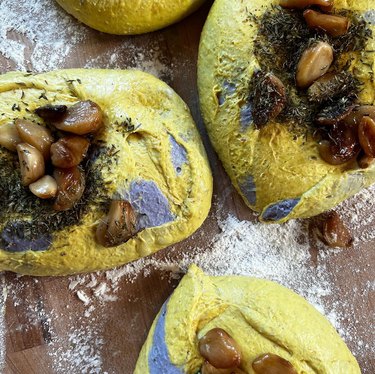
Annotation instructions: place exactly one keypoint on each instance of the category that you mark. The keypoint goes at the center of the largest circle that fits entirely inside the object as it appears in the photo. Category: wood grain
(42, 313)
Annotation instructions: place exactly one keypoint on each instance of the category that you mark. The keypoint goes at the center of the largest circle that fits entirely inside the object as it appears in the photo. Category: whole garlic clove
(69, 151)
(314, 63)
(71, 185)
(9, 137)
(220, 349)
(271, 363)
(366, 135)
(84, 117)
(119, 226)
(335, 233)
(44, 188)
(269, 97)
(301, 4)
(355, 117)
(331, 24)
(31, 163)
(35, 135)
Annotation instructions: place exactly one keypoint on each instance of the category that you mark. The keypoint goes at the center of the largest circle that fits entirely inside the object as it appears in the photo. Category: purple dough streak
(248, 189)
(158, 357)
(280, 210)
(178, 154)
(13, 240)
(150, 204)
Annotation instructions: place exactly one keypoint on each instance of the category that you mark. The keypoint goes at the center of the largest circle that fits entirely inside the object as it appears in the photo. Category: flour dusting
(38, 34)
(3, 296)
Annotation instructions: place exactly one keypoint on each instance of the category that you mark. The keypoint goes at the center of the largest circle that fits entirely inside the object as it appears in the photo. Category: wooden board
(45, 321)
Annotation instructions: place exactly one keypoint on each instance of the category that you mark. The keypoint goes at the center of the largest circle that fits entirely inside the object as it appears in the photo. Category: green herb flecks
(283, 36)
(38, 216)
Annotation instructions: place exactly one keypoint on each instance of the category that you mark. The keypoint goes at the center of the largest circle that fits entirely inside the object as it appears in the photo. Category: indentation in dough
(150, 204)
(178, 155)
(13, 239)
(228, 90)
(158, 357)
(279, 210)
(248, 189)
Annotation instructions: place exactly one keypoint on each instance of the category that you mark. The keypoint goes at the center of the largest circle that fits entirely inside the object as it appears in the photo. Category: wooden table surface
(44, 313)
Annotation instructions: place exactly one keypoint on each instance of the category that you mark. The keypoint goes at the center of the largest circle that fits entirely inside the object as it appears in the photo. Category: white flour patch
(42, 27)
(79, 351)
(127, 56)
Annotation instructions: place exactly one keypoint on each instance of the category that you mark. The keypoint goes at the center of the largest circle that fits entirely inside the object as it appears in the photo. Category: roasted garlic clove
(366, 135)
(84, 117)
(69, 151)
(332, 85)
(9, 137)
(269, 97)
(301, 4)
(335, 233)
(220, 349)
(44, 188)
(330, 24)
(336, 112)
(51, 113)
(31, 163)
(342, 147)
(314, 63)
(119, 226)
(270, 363)
(355, 117)
(35, 135)
(70, 187)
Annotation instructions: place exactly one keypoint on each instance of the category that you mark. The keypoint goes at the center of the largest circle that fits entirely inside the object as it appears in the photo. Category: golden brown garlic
(70, 187)
(330, 24)
(9, 137)
(44, 188)
(335, 233)
(366, 135)
(35, 135)
(69, 151)
(301, 4)
(84, 117)
(270, 363)
(119, 226)
(31, 163)
(220, 349)
(314, 63)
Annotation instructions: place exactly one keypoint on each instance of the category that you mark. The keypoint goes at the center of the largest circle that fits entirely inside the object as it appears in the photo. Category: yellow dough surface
(278, 173)
(261, 316)
(158, 164)
(129, 16)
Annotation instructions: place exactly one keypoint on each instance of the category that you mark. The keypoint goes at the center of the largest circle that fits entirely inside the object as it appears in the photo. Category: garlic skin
(31, 163)
(9, 137)
(44, 188)
(35, 135)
